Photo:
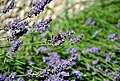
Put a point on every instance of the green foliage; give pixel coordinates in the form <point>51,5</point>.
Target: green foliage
<point>106,14</point>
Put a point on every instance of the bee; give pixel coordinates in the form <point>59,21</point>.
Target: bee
<point>55,39</point>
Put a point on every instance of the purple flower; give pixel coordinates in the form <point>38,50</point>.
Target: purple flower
<point>21,79</point>
<point>43,35</point>
<point>119,69</point>
<point>12,75</point>
<point>57,67</point>
<point>55,78</point>
<point>42,49</point>
<point>31,3</point>
<point>30,62</point>
<point>93,50</point>
<point>14,47</point>
<point>88,21</point>
<point>111,36</point>
<point>108,59</point>
<point>111,73</point>
<point>115,61</point>
<point>2,77</point>
<point>53,58</point>
<point>18,26</point>
<point>58,42</point>
<point>16,35</point>
<point>68,50</point>
<point>43,74</point>
<point>115,39</point>
<point>39,6</point>
<point>10,6</point>
<point>95,62</point>
<point>93,23</point>
<point>70,33</point>
<point>15,26</point>
<point>75,40</point>
<point>80,37</point>
<point>29,72</point>
<point>74,57</point>
<point>71,50</point>
<point>118,25</point>
<point>42,26</point>
<point>97,32</point>
<point>77,73</point>
<point>6,27</point>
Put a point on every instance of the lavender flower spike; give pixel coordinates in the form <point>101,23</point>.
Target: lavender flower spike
<point>70,33</point>
<point>42,49</point>
<point>39,6</point>
<point>111,36</point>
<point>42,26</point>
<point>97,32</point>
<point>88,21</point>
<point>118,25</point>
<point>12,75</point>
<point>16,35</point>
<point>77,73</point>
<point>14,47</point>
<point>95,62</point>
<point>29,72</point>
<point>11,5</point>
<point>75,40</point>
<point>93,23</point>
<point>2,77</point>
<point>21,79</point>
<point>94,50</point>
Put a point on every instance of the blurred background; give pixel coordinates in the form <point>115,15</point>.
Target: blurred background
<point>55,9</point>
<point>69,15</point>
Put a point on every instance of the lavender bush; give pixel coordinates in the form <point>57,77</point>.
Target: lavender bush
<point>85,47</point>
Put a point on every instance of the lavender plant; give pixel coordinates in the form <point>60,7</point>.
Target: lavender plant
<point>69,55</point>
